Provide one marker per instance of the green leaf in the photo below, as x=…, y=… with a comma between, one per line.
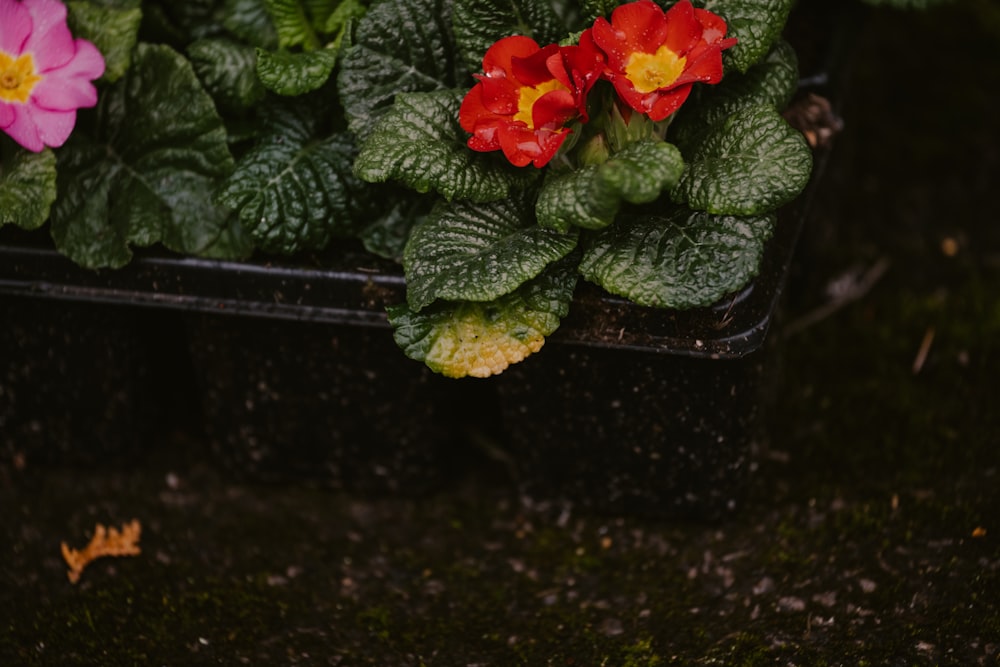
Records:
x=249, y=21
x=144, y=169
x=295, y=73
x=684, y=260
x=387, y=230
x=113, y=27
x=478, y=252
x=346, y=12
x=480, y=23
x=179, y=23
x=752, y=163
x=591, y=197
x=483, y=339
x=757, y=24
x=772, y=81
x=400, y=46
x=292, y=24
x=227, y=69
x=420, y=143
x=293, y=192
x=27, y=185
x=319, y=11
x=594, y=8
x=233, y=242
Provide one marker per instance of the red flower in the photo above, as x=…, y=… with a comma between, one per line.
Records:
x=527, y=95
x=655, y=57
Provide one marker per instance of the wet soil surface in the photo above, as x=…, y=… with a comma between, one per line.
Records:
x=870, y=535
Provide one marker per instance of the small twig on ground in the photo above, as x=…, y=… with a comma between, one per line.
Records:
x=923, y=350
x=853, y=293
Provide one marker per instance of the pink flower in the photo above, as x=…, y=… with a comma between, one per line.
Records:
x=45, y=74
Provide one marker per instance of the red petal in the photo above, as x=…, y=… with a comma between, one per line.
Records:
x=497, y=61
x=500, y=95
x=533, y=70
x=519, y=144
x=627, y=92
x=553, y=109
x=586, y=64
x=668, y=102
x=472, y=109
x=713, y=26
x=640, y=25
x=683, y=29
x=608, y=41
x=704, y=64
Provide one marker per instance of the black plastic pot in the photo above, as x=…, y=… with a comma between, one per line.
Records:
x=625, y=409
x=69, y=393
x=294, y=368
x=642, y=411
x=295, y=375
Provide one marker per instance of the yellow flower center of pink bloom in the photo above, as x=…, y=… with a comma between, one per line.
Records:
x=653, y=71
x=528, y=97
x=17, y=77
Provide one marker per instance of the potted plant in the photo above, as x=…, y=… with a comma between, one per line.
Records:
x=486, y=156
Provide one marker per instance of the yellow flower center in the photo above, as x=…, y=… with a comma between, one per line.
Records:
x=652, y=71
x=528, y=97
x=17, y=77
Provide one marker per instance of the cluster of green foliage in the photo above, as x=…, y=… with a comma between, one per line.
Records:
x=226, y=127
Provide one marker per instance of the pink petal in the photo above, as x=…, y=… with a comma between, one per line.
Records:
x=24, y=131
x=51, y=42
x=54, y=127
x=6, y=115
x=15, y=20
x=69, y=87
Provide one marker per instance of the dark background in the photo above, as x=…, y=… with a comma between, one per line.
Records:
x=870, y=535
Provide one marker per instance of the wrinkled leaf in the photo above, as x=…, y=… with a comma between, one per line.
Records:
x=685, y=260
x=420, y=143
x=387, y=230
x=292, y=24
x=179, y=23
x=341, y=17
x=480, y=23
x=27, y=185
x=319, y=11
x=233, y=242
x=482, y=339
x=295, y=73
x=145, y=169
x=228, y=70
x=112, y=27
x=771, y=81
x=478, y=252
x=590, y=197
x=399, y=47
x=752, y=163
x=594, y=8
x=249, y=21
x=757, y=24
x=293, y=192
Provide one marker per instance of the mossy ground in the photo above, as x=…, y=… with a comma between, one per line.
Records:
x=870, y=536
